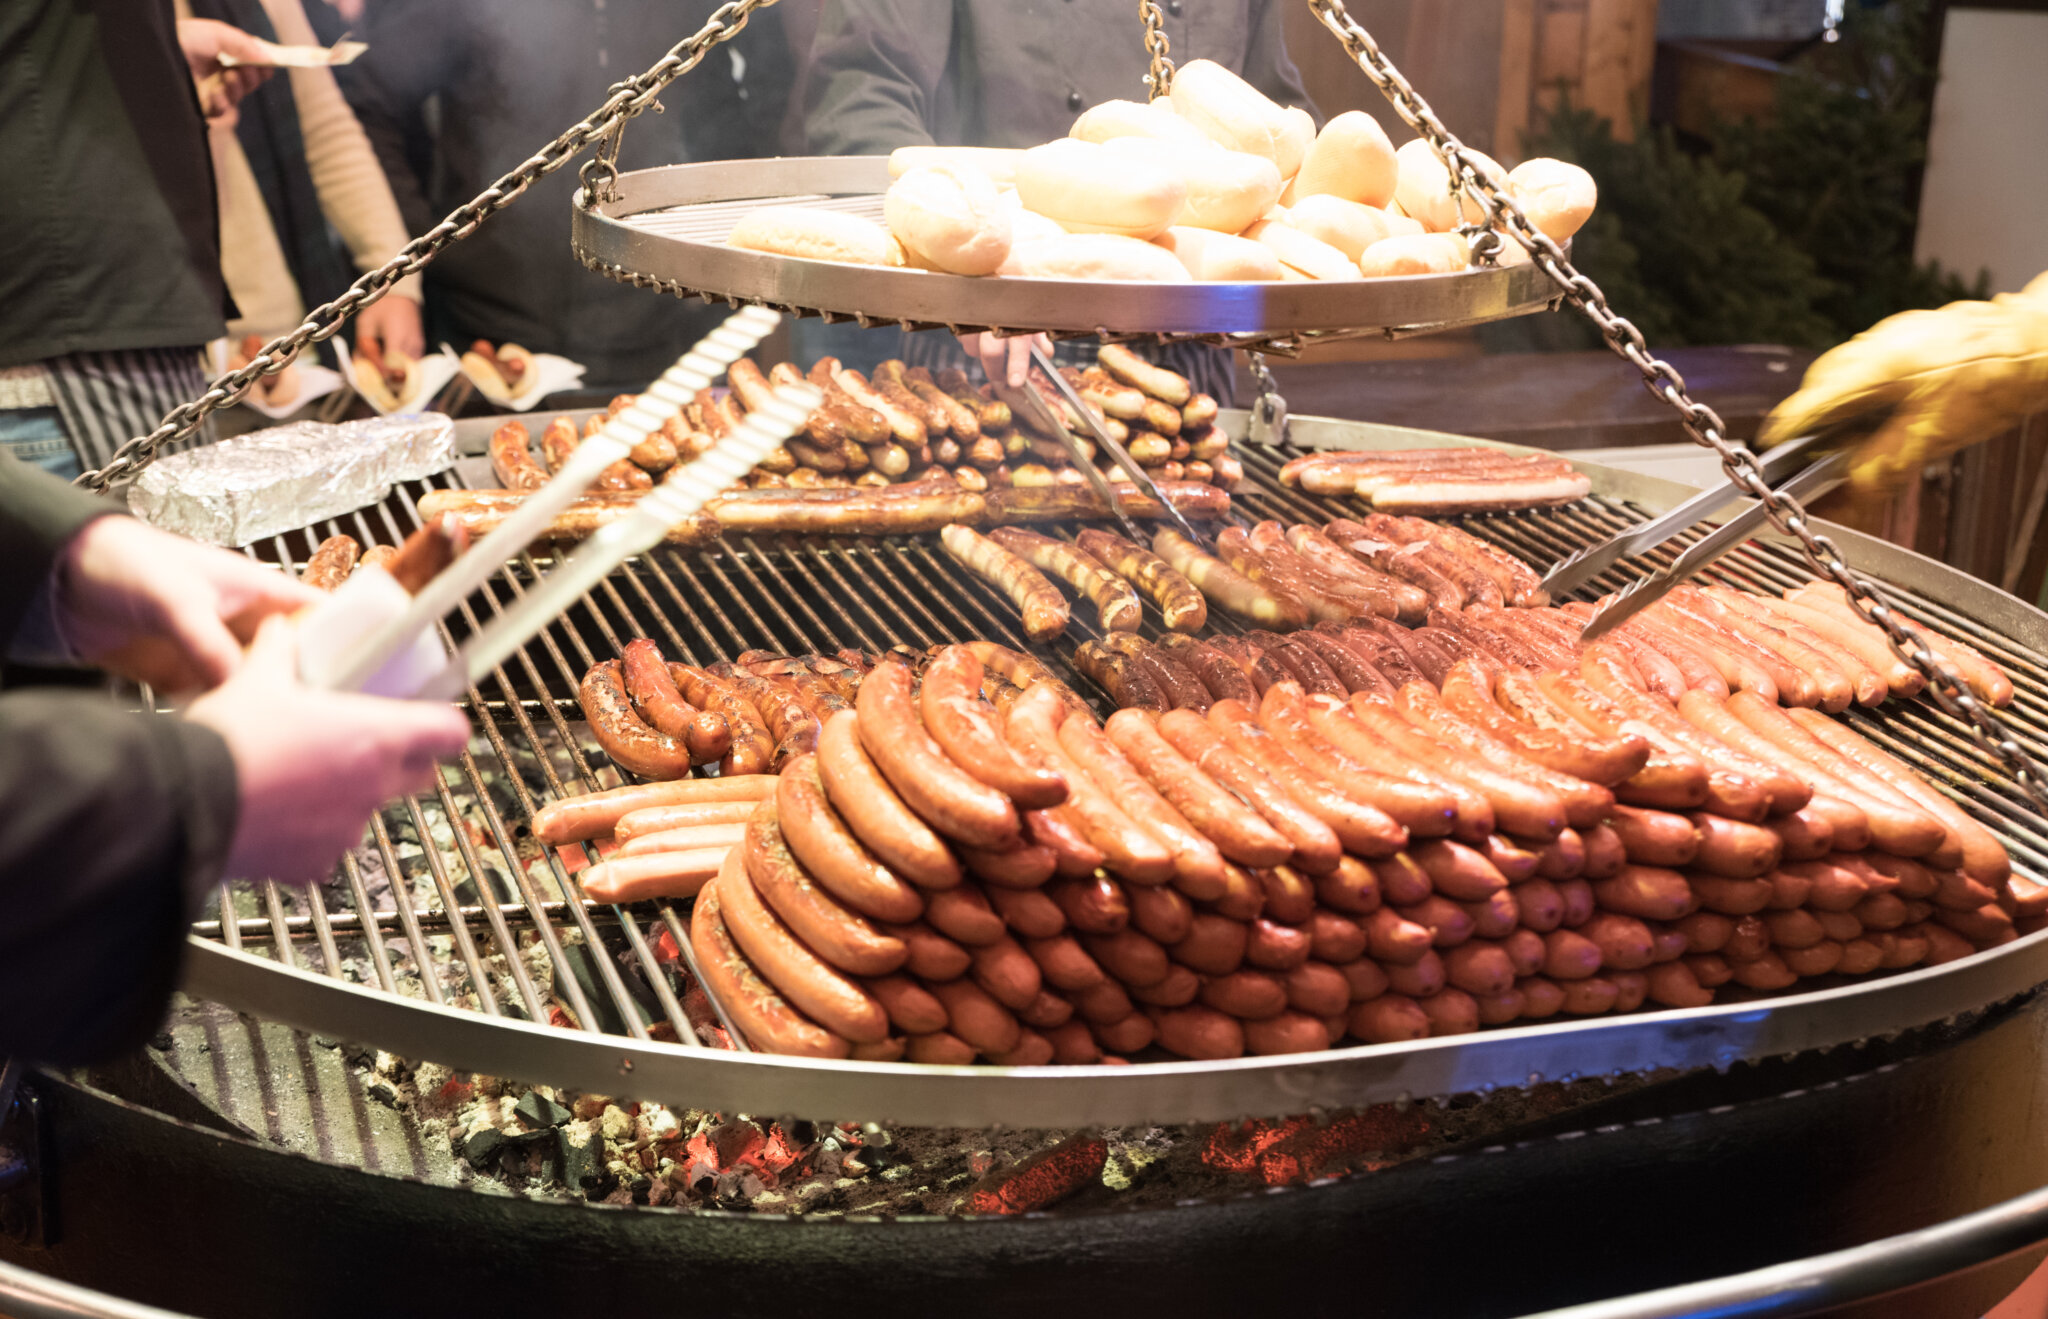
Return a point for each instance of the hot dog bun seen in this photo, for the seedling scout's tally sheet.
(1209, 255)
(949, 217)
(1226, 190)
(1096, 256)
(999, 163)
(1090, 189)
(1416, 254)
(1556, 195)
(491, 381)
(1235, 114)
(384, 394)
(1148, 119)
(815, 235)
(1424, 189)
(1351, 158)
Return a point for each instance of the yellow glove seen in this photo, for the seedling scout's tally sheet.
(1917, 386)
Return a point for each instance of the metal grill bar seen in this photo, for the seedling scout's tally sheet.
(452, 914)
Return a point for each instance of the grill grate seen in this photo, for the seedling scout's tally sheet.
(450, 900)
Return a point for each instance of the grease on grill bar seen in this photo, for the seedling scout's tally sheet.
(441, 903)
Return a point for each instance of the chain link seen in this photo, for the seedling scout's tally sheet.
(626, 99)
(1160, 80)
(1705, 427)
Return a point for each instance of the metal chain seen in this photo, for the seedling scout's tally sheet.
(1269, 411)
(1706, 428)
(1160, 80)
(626, 99)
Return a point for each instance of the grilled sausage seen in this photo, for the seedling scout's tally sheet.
(841, 937)
(1119, 675)
(1237, 830)
(763, 1013)
(822, 992)
(671, 873)
(875, 813)
(830, 852)
(1315, 845)
(1219, 674)
(1197, 864)
(1363, 828)
(1180, 604)
(1225, 587)
(1175, 681)
(943, 794)
(749, 749)
(513, 461)
(1132, 851)
(331, 562)
(1116, 603)
(1043, 608)
(970, 731)
(627, 738)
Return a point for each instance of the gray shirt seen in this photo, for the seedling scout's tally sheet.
(1011, 73)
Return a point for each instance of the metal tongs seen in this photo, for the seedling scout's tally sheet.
(1115, 449)
(686, 490)
(1810, 481)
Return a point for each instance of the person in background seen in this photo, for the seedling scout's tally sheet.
(456, 93)
(115, 825)
(112, 281)
(292, 162)
(883, 74)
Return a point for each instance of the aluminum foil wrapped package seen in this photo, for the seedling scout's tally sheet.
(260, 484)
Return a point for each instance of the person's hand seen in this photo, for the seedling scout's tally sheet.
(392, 325)
(161, 609)
(1920, 385)
(1005, 361)
(311, 766)
(221, 89)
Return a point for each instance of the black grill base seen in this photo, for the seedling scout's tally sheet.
(1656, 1189)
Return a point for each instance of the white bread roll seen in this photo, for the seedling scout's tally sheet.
(1352, 159)
(1416, 254)
(1227, 190)
(1424, 190)
(815, 235)
(999, 163)
(1301, 135)
(1209, 255)
(1096, 256)
(1031, 227)
(1232, 113)
(1311, 256)
(1114, 119)
(1345, 225)
(950, 218)
(1556, 195)
(1399, 224)
(1090, 189)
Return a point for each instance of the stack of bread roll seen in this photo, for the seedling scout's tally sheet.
(1214, 182)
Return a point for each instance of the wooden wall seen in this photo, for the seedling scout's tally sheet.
(1488, 67)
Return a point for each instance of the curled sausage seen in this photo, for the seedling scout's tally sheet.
(970, 731)
(628, 739)
(1043, 608)
(943, 794)
(761, 1011)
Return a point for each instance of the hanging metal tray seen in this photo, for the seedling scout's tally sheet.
(666, 229)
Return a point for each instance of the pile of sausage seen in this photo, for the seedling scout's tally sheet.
(1271, 576)
(905, 423)
(657, 719)
(413, 564)
(1441, 481)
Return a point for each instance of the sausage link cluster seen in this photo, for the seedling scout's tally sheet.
(1554, 826)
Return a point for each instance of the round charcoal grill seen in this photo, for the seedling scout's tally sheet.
(1739, 1136)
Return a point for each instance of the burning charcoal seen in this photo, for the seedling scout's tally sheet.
(579, 1154)
(1042, 1180)
(540, 1111)
(482, 1145)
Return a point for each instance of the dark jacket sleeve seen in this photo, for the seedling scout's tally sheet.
(874, 75)
(38, 514)
(113, 825)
